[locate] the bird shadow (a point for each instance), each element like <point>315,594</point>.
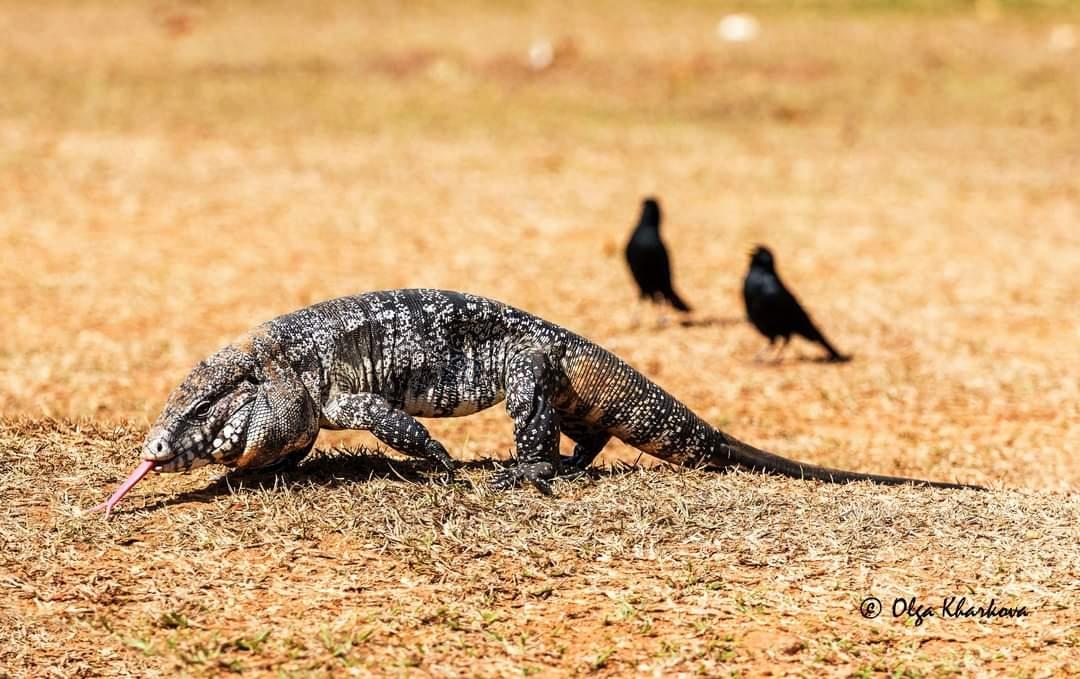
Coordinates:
<point>826,359</point>
<point>359,466</point>
<point>710,321</point>
<point>823,360</point>
<point>664,325</point>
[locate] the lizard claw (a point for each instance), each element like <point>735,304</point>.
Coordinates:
<point>576,464</point>
<point>505,479</point>
<point>542,485</point>
<point>572,475</point>
<point>538,474</point>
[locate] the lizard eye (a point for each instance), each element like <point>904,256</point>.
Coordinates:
<point>201,410</point>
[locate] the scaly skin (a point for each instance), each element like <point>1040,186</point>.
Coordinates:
<point>377,361</point>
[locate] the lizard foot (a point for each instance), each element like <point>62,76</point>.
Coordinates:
<point>437,453</point>
<point>448,477</point>
<point>573,468</point>
<point>576,462</point>
<point>536,473</point>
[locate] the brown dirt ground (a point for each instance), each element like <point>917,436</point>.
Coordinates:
<point>173,173</point>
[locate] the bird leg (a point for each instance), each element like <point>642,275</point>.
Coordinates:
<point>662,320</point>
<point>761,352</point>
<point>783,345</point>
<point>635,318</point>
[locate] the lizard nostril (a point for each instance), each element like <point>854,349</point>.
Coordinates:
<point>157,449</point>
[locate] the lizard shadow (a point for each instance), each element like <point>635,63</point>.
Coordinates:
<point>327,470</point>
<point>347,466</point>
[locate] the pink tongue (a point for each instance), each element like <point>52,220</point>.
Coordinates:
<point>135,477</point>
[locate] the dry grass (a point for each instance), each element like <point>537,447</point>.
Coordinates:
<point>172,174</point>
<point>360,562</point>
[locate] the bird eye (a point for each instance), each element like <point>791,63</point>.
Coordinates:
<point>201,410</point>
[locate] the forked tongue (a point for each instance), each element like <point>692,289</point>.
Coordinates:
<point>135,477</point>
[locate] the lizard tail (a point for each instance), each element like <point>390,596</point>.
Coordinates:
<point>728,450</point>
<point>652,420</point>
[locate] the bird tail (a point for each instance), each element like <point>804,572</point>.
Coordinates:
<point>673,298</point>
<point>815,335</point>
<point>834,354</point>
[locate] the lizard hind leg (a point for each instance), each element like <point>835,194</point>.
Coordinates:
<point>589,442</point>
<point>530,384</point>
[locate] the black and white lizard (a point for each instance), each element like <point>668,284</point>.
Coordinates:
<point>376,361</point>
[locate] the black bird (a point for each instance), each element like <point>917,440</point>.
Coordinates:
<point>648,259</point>
<point>774,311</point>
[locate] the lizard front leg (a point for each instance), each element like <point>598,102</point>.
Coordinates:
<point>530,384</point>
<point>395,428</point>
<point>281,465</point>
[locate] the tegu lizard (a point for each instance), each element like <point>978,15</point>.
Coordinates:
<point>378,361</point>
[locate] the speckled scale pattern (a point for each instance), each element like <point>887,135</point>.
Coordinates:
<point>378,360</point>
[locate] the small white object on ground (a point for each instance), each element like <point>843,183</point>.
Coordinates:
<point>541,55</point>
<point>738,28</point>
<point>1063,38</point>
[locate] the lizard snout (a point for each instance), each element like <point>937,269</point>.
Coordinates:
<point>157,449</point>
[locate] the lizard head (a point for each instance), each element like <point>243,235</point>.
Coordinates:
<point>206,418</point>
<point>231,409</point>
<point>241,407</point>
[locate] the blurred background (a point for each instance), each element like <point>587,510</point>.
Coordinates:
<point>173,173</point>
